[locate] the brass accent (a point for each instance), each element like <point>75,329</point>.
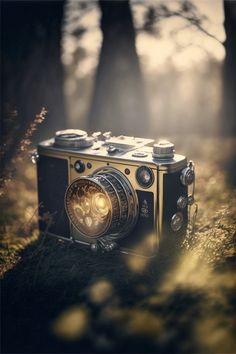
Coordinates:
<point>179,162</point>
<point>99,164</point>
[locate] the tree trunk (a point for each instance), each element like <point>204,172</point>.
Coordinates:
<point>118,102</point>
<point>32,73</point>
<point>229,71</point>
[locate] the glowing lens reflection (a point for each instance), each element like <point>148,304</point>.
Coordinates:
<point>100,204</point>
<point>89,208</point>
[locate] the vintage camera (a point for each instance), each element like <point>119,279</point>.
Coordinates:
<point>110,192</point>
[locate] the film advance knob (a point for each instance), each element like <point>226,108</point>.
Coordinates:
<point>163,150</point>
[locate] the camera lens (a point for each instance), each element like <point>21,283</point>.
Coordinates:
<point>102,204</point>
<point>88,207</point>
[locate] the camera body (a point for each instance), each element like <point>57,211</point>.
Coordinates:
<point>107,192</point>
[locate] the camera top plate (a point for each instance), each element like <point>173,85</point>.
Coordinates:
<point>135,150</point>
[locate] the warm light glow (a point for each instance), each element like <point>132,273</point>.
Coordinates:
<point>88,207</point>
<point>100,205</point>
<point>179,43</point>
<point>72,323</point>
<point>91,208</point>
<point>175,53</point>
<point>100,291</point>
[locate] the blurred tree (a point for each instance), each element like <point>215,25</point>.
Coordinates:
<point>229,70</point>
<point>118,102</point>
<point>32,73</point>
<point>186,10</point>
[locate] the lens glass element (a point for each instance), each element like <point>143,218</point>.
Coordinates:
<point>88,207</point>
<point>102,204</point>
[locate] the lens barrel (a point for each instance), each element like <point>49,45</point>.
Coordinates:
<point>118,194</point>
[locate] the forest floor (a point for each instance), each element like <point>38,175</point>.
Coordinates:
<point>60,299</point>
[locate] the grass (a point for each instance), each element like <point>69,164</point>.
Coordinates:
<point>85,303</point>
<point>18,218</point>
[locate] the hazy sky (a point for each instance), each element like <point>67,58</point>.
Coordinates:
<point>176,60</point>
<point>182,45</point>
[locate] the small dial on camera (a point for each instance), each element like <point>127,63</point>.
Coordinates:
<point>177,221</point>
<point>187,177</point>
<point>182,202</point>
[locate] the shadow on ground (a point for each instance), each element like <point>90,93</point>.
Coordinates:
<point>61,299</point>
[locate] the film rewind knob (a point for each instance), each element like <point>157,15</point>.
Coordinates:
<point>163,150</point>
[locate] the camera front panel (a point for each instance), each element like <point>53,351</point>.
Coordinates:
<point>143,239</point>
